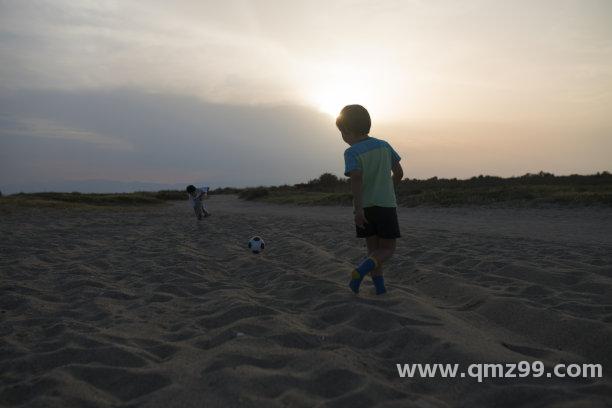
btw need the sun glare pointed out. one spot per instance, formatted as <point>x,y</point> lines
<point>332,97</point>
<point>337,86</point>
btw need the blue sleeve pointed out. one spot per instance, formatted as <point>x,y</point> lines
<point>350,162</point>
<point>394,156</point>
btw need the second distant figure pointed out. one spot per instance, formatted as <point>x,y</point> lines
<point>196,197</point>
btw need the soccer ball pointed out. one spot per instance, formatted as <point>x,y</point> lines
<point>256,245</point>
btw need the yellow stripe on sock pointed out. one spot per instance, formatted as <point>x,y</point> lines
<point>355,274</point>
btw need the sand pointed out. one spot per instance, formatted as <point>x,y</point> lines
<point>151,308</point>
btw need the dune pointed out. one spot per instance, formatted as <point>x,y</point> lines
<point>151,308</point>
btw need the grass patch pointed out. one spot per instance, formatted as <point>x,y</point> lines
<point>77,201</point>
<point>519,196</point>
<point>91,199</point>
<point>9,205</point>
<point>294,195</point>
<point>531,190</point>
<point>254,193</point>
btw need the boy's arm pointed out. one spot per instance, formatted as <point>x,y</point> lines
<point>201,194</point>
<point>357,190</point>
<point>398,173</point>
<point>204,193</point>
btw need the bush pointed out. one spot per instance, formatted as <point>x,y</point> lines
<point>327,183</point>
<point>254,193</point>
<point>93,199</point>
<point>537,189</point>
<point>171,195</point>
<point>226,190</point>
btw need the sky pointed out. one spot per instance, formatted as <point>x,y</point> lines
<point>238,93</point>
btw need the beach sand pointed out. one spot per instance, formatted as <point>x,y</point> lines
<point>152,308</point>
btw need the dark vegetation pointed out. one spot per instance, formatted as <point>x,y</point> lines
<point>85,201</point>
<point>531,190</point>
<point>540,189</point>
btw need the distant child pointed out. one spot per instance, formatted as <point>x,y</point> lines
<point>370,163</point>
<point>196,195</point>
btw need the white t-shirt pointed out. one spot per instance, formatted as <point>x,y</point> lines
<point>200,193</point>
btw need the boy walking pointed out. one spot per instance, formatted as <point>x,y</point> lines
<point>370,163</point>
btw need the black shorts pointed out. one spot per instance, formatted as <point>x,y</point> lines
<point>382,222</point>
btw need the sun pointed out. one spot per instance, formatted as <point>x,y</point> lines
<point>329,87</point>
<point>338,86</point>
<point>332,97</point>
<point>330,106</point>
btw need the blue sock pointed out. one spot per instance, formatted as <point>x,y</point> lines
<point>367,265</point>
<point>379,283</point>
<point>354,285</point>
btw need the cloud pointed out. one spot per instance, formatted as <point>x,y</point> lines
<point>67,45</point>
<point>37,127</point>
<point>132,135</point>
<point>425,57</point>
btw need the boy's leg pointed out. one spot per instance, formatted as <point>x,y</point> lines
<point>198,212</point>
<point>357,275</point>
<point>380,249</point>
<point>204,211</point>
<point>372,244</point>
<point>384,251</point>
<point>385,223</point>
<point>386,248</point>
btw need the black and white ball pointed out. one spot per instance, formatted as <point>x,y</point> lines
<point>256,244</point>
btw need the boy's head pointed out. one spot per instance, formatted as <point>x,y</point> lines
<point>354,120</point>
<point>191,189</point>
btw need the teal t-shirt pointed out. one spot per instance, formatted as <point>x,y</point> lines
<point>374,158</point>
